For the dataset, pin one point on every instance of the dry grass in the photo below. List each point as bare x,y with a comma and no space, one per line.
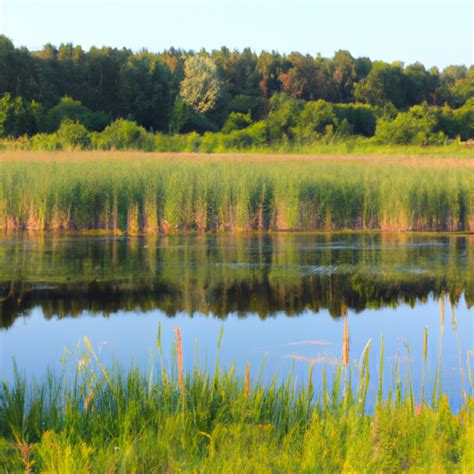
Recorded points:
434,161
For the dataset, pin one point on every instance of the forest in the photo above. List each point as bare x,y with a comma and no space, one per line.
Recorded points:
106,98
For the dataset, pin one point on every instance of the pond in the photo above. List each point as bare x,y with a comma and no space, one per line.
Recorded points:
284,298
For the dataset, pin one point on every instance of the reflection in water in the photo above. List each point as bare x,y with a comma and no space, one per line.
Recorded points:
262,274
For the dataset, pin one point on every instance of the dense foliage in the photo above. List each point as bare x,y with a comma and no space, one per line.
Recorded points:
281,98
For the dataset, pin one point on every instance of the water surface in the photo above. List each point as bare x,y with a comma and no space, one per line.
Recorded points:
281,296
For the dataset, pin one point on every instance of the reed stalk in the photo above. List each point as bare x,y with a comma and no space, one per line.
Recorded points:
179,347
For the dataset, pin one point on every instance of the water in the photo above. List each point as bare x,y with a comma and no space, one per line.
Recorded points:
280,297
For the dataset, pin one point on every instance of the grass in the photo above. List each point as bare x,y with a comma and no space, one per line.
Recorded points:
144,193
175,420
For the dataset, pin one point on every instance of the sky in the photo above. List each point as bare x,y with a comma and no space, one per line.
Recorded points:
434,32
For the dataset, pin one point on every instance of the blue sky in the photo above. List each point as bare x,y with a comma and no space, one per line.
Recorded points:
435,32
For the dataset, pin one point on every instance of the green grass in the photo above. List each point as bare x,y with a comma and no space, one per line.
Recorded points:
234,193
101,420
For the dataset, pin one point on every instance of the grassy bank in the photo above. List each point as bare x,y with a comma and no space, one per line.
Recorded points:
152,193
174,419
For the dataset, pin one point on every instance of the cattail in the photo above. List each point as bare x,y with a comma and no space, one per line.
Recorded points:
25,452
179,344
247,380
88,399
345,343
425,357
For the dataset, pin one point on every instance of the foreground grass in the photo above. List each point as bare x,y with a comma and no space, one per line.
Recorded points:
166,193
172,421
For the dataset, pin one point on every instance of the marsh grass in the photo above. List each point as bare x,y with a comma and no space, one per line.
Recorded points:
107,420
139,193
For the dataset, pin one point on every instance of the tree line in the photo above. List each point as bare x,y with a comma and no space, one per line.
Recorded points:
105,97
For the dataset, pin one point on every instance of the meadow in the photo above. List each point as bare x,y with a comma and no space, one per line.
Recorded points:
188,419
135,192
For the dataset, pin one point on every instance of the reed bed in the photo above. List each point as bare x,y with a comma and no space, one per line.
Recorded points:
166,194
185,419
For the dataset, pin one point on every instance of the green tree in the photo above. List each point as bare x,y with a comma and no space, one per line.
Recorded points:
383,84
145,90
283,115
343,76
7,65
417,84
308,79
201,86
18,117
238,71
247,104
270,66
315,119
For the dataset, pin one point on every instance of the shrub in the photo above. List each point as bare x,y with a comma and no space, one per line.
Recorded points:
45,142
361,117
124,134
236,121
283,115
209,142
417,126
73,110
73,135
464,120
316,119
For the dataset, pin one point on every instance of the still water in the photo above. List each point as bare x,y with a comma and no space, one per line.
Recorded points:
284,298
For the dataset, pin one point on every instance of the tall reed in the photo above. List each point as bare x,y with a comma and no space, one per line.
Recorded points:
135,424
177,194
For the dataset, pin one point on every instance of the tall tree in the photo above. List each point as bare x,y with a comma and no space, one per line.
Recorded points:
344,75
145,90
201,86
383,85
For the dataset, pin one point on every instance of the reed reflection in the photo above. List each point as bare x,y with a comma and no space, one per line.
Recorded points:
219,275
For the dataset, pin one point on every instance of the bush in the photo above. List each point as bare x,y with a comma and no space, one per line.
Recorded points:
209,142
73,135
283,115
316,119
45,142
361,117
464,120
417,126
73,110
236,121
124,134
